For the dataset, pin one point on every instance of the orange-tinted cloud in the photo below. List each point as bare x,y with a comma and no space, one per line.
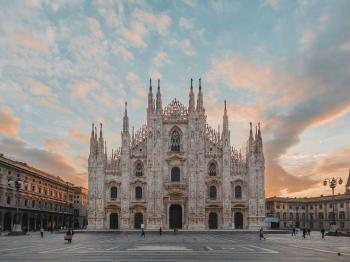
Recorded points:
54,145
51,162
77,136
9,124
29,41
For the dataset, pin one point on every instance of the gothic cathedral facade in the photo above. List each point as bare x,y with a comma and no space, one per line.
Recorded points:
176,172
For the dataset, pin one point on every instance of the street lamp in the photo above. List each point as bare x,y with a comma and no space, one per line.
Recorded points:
332,182
17,183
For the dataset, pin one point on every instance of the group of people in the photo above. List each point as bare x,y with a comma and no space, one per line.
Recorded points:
307,232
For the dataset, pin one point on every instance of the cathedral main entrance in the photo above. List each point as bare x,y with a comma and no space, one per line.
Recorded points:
238,220
138,220
175,217
213,221
113,221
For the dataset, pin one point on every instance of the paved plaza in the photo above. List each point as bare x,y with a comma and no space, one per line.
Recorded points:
170,247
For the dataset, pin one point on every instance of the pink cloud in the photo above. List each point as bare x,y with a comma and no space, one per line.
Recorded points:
78,136
30,41
54,145
9,124
238,72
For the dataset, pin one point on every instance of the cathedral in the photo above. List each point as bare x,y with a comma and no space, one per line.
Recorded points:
176,172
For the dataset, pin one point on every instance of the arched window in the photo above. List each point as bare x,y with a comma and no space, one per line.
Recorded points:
238,192
284,216
212,169
114,192
139,169
175,141
320,215
212,192
175,174
290,216
138,192
341,215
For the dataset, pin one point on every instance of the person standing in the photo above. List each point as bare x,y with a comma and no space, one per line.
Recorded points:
322,232
293,232
160,231
309,232
304,232
261,234
143,230
41,232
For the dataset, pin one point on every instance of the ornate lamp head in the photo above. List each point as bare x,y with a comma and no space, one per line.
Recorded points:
325,182
340,181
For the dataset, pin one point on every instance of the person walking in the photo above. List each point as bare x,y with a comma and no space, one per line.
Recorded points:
293,232
160,231
322,232
41,232
309,232
304,232
261,234
69,236
143,231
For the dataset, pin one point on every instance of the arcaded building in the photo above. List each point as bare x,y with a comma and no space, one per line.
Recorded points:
43,200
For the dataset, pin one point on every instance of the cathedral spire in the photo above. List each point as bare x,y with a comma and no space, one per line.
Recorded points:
347,186
191,99
200,98
150,108
101,135
259,132
251,131
126,119
159,100
92,141
225,121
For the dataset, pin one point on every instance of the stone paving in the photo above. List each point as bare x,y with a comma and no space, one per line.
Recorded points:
170,247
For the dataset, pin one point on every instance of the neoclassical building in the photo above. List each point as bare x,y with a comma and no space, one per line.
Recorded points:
176,172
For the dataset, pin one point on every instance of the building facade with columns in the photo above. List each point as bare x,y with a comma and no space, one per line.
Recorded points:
311,212
176,172
80,207
43,200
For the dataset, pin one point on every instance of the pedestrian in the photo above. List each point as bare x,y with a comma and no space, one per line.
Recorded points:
69,236
143,233
322,232
261,234
304,232
41,232
309,232
160,231
293,232
174,230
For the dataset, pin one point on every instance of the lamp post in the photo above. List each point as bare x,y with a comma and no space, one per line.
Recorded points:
333,182
17,183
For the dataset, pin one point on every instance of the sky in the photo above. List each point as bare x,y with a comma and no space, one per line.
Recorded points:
65,64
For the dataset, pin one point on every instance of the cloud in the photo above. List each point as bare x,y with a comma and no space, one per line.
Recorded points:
186,23
29,41
78,136
334,161
160,59
238,72
307,39
38,88
185,45
123,52
142,24
54,146
274,4
81,89
95,28
9,124
51,162
136,85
